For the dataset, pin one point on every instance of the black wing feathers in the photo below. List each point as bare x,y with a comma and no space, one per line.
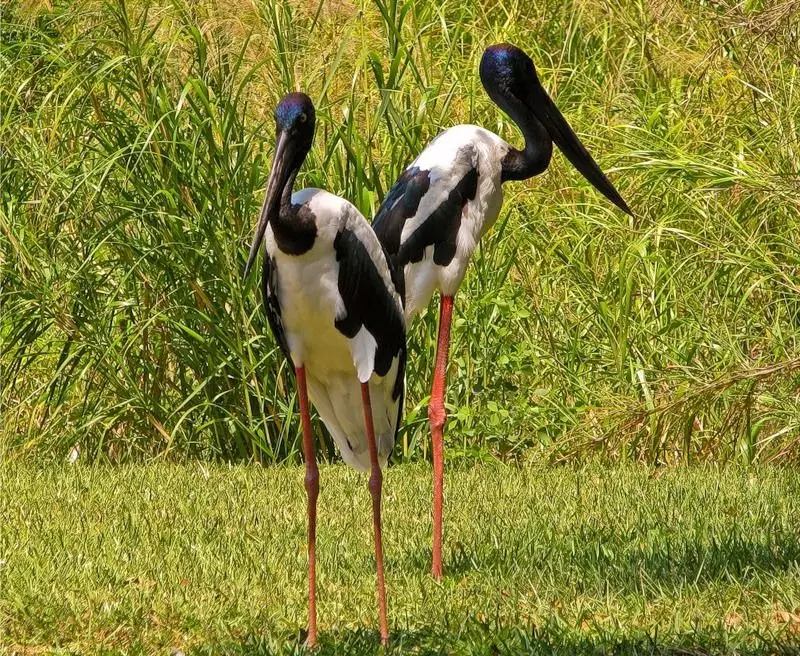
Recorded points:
400,204
269,287
439,229
368,302
398,279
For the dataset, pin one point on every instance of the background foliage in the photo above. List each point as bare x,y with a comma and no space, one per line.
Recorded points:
136,137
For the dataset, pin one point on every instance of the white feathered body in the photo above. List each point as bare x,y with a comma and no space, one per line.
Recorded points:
448,158
310,303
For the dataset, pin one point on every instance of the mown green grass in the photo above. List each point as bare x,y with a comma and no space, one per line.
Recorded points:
211,559
136,138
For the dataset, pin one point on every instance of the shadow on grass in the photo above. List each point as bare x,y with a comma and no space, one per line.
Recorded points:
726,556
731,558
479,639
459,560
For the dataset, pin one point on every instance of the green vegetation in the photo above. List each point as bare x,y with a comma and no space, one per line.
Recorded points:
211,559
137,138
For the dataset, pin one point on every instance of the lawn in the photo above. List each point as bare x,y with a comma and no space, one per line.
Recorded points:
211,559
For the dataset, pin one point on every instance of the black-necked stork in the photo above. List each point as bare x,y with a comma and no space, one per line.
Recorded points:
337,315
433,217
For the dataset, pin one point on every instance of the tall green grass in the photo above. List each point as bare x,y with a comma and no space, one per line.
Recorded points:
136,139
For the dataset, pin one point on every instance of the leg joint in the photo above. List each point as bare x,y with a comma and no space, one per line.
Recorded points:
311,481
437,414
375,481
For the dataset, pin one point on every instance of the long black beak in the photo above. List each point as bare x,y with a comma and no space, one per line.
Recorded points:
277,179
568,143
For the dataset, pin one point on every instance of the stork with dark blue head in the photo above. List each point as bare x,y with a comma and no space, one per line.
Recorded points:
433,217
337,315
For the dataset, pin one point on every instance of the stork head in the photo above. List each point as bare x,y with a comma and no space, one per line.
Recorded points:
507,70
510,79
295,119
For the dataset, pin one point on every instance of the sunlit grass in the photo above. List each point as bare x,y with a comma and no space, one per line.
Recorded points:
212,559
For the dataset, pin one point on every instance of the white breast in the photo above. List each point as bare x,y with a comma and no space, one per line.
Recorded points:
310,302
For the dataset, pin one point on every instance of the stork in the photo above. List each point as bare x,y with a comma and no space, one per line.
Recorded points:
433,217
337,315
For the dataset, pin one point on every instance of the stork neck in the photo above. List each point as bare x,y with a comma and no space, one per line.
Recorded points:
293,228
288,188
535,157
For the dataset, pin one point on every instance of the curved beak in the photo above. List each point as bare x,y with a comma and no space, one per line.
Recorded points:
277,179
568,143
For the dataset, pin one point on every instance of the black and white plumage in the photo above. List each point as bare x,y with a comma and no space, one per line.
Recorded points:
337,315
334,309
431,220
436,213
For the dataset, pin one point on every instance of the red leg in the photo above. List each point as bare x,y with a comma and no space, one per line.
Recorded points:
375,482
312,490
437,415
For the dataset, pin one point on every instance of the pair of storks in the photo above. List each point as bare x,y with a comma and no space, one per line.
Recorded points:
338,292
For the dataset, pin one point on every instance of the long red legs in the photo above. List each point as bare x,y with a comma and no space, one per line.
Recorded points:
375,483
312,490
437,415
